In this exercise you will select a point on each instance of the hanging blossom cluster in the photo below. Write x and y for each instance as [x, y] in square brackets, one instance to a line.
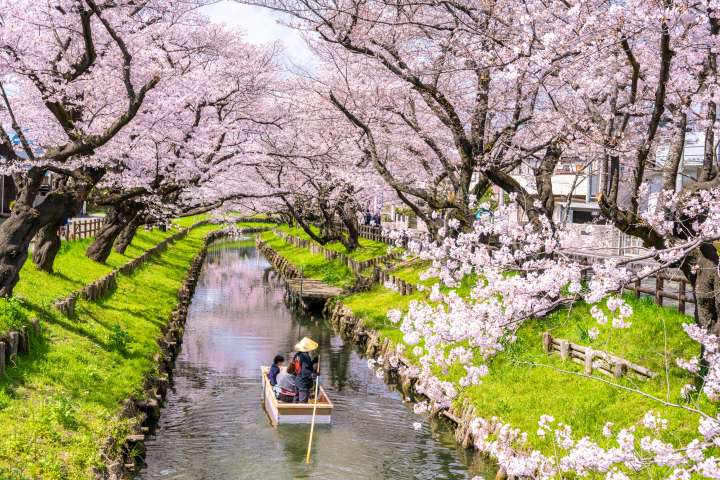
[711, 357]
[699, 211]
[628, 451]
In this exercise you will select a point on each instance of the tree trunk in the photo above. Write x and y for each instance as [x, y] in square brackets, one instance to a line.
[70, 198]
[15, 236]
[128, 233]
[29, 216]
[47, 245]
[100, 249]
[348, 216]
[700, 268]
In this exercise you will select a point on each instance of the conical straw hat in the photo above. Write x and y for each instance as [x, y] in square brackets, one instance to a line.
[306, 345]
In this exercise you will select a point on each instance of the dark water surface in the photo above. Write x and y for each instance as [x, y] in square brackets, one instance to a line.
[213, 425]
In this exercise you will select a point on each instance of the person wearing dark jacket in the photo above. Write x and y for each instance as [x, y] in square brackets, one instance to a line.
[275, 369]
[306, 375]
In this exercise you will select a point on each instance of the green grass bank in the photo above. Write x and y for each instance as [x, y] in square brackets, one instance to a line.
[60, 403]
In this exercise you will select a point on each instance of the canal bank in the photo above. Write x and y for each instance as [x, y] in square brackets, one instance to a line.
[59, 404]
[213, 425]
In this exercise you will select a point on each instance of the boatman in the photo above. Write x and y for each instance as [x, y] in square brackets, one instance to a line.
[306, 368]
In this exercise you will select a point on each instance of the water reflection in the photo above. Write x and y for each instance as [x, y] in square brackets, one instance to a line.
[213, 426]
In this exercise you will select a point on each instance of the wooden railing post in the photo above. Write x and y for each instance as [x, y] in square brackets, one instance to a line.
[659, 282]
[681, 295]
[589, 354]
[564, 349]
[547, 342]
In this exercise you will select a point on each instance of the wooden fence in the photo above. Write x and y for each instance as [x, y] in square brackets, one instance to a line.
[591, 359]
[253, 220]
[81, 228]
[376, 234]
[371, 233]
[403, 287]
[667, 284]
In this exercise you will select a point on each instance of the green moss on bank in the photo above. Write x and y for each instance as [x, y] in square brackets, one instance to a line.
[191, 220]
[59, 405]
[263, 225]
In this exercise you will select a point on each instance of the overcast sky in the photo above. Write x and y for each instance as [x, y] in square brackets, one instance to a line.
[262, 26]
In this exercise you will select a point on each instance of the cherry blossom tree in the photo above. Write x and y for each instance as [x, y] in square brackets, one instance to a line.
[655, 82]
[510, 82]
[188, 153]
[318, 171]
[74, 74]
[458, 79]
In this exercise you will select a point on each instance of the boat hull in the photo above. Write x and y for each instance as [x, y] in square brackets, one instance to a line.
[294, 413]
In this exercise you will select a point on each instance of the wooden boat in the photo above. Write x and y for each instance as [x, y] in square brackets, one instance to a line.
[284, 413]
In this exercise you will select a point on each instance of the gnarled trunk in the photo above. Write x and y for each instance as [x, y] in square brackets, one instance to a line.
[70, 199]
[15, 236]
[128, 233]
[348, 216]
[116, 220]
[700, 268]
[30, 215]
[47, 245]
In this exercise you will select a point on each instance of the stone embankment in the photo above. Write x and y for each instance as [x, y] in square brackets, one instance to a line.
[384, 352]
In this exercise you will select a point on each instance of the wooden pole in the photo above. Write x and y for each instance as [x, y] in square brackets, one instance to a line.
[659, 288]
[312, 422]
[681, 296]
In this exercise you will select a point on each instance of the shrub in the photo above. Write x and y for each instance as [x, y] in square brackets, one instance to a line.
[64, 412]
[119, 338]
[12, 314]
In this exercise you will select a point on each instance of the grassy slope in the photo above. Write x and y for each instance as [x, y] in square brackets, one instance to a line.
[368, 248]
[192, 219]
[525, 383]
[312, 265]
[58, 405]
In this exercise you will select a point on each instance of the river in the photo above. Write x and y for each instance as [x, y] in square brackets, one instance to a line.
[214, 427]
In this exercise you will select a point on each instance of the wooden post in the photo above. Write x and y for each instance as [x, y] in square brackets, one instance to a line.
[24, 345]
[14, 343]
[35, 322]
[301, 282]
[547, 342]
[564, 349]
[659, 288]
[619, 368]
[588, 361]
[681, 296]
[637, 288]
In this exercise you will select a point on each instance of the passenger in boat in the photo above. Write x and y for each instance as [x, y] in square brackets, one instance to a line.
[306, 368]
[286, 384]
[278, 362]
